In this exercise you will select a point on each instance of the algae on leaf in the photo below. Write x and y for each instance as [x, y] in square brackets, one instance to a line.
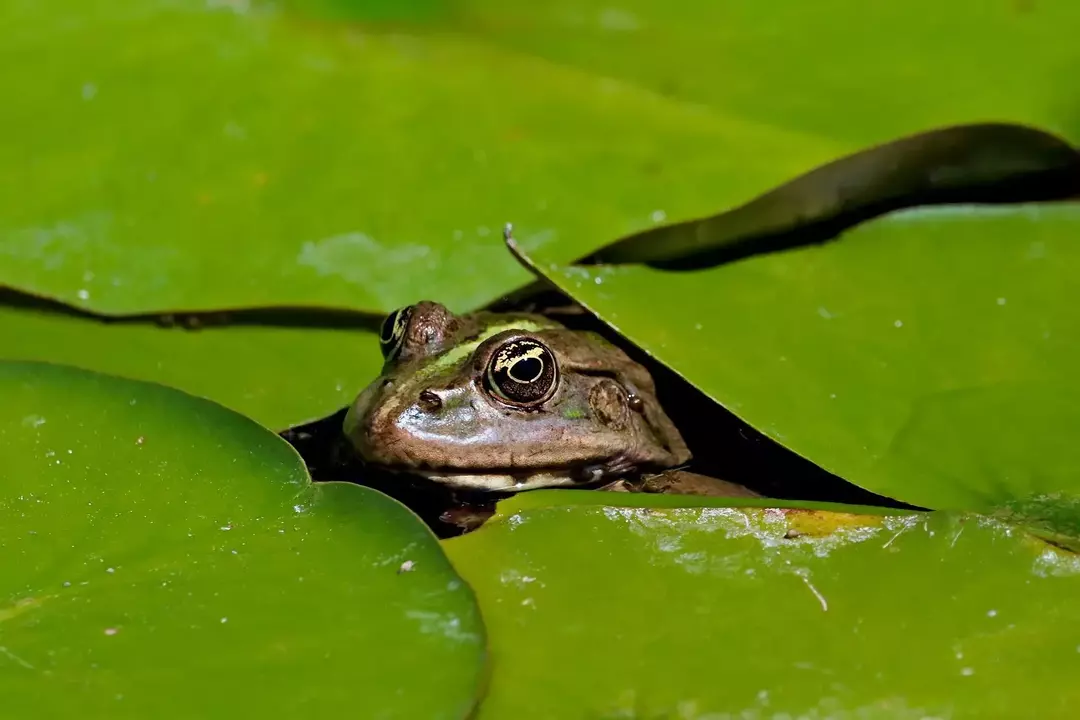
[727, 611]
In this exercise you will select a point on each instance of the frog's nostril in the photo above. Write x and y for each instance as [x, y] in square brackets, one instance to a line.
[430, 401]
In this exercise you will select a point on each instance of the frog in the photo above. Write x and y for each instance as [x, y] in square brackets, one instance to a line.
[508, 402]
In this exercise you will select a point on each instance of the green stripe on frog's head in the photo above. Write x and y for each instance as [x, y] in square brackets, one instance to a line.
[452, 358]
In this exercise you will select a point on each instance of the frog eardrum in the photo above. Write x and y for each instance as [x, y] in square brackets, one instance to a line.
[392, 331]
[522, 372]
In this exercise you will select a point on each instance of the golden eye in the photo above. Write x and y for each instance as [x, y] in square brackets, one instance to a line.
[392, 331]
[522, 372]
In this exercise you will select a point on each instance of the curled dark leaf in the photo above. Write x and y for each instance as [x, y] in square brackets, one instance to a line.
[980, 163]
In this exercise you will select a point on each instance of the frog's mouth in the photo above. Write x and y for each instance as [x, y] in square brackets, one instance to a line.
[506, 481]
[499, 482]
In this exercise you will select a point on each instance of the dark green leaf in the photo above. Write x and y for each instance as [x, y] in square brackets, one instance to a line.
[966, 164]
[200, 155]
[929, 356]
[855, 72]
[281, 376]
[167, 557]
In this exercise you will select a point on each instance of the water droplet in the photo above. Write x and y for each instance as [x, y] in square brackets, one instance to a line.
[83, 294]
[89, 91]
[898, 323]
[659, 216]
[1001, 301]
[618, 20]
[235, 131]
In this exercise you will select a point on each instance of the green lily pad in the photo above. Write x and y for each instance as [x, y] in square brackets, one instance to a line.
[979, 163]
[281, 376]
[928, 356]
[165, 555]
[853, 71]
[216, 155]
[547, 499]
[652, 612]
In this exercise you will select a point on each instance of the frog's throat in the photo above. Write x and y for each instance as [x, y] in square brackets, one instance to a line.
[498, 482]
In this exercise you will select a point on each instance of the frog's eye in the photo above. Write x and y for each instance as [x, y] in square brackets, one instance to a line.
[522, 372]
[392, 331]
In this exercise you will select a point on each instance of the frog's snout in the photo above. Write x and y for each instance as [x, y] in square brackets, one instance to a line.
[383, 430]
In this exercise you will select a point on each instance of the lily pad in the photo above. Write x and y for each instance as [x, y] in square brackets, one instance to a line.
[928, 356]
[280, 375]
[200, 155]
[741, 612]
[984, 163]
[851, 71]
[167, 555]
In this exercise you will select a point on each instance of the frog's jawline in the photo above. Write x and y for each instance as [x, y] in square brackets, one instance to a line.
[498, 482]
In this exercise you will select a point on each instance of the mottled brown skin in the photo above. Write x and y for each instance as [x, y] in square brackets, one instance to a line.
[432, 328]
[681, 482]
[433, 411]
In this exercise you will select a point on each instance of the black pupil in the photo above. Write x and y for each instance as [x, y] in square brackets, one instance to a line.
[526, 370]
[523, 371]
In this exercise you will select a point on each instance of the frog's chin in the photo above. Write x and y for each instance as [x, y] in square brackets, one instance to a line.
[498, 482]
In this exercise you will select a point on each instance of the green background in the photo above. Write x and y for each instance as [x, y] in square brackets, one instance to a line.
[346, 158]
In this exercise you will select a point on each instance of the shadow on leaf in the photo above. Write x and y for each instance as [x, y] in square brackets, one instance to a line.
[990, 163]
